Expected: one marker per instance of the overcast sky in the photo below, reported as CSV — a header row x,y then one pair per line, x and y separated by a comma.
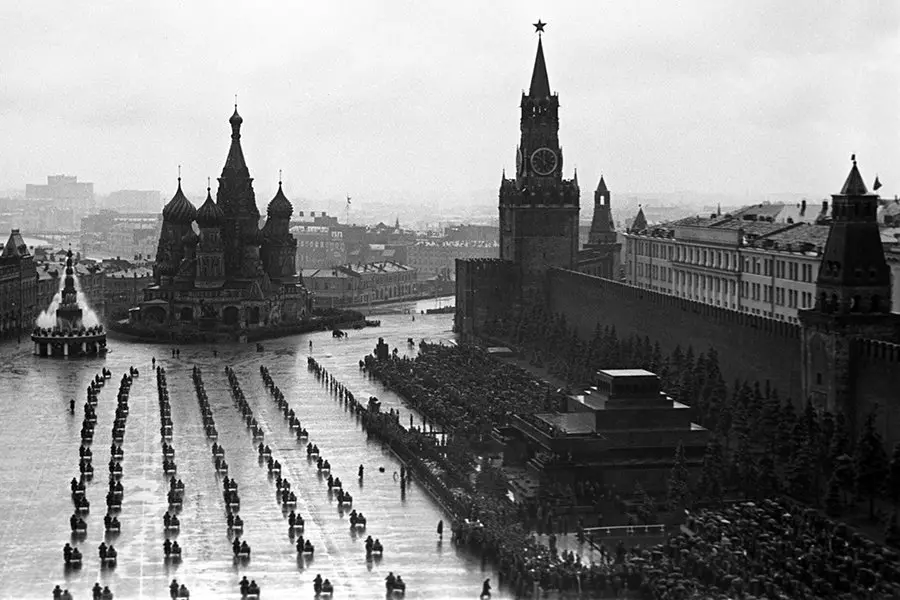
x,y
405,95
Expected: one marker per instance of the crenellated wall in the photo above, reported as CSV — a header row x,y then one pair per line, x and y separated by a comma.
x,y
750,347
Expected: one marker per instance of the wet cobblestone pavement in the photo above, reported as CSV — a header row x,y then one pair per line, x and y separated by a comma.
x,y
41,440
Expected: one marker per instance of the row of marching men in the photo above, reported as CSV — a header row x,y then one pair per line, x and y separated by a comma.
x,y
72,555
230,496
374,547
335,486
209,424
240,548
283,493
338,389
241,401
175,493
288,412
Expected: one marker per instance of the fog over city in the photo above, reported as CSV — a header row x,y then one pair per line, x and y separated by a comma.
x,y
404,101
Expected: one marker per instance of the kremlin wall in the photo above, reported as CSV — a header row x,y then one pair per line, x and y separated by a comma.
x,y
749,346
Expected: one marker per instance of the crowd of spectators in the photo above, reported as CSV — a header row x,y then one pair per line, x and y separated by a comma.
x,y
748,551
463,388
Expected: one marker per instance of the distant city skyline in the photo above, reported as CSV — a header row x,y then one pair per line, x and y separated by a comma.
x,y
413,99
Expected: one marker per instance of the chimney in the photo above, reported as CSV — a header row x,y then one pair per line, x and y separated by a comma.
x,y
803,207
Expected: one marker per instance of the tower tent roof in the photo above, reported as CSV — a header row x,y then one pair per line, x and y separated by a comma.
x,y
235,165
15,246
854,185
540,83
601,187
640,221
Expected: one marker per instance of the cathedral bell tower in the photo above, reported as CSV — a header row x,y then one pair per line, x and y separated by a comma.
x,y
538,208
853,299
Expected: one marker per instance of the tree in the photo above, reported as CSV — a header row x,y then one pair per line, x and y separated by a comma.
x,y
712,473
892,533
767,481
769,422
840,440
825,460
892,485
679,494
785,432
646,507
833,504
744,470
845,474
871,463
799,474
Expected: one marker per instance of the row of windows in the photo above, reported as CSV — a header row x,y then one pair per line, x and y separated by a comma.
x,y
724,259
780,269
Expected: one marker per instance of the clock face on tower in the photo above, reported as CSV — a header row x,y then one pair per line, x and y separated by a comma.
x,y
543,161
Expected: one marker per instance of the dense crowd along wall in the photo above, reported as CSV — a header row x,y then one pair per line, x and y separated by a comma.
x,y
749,347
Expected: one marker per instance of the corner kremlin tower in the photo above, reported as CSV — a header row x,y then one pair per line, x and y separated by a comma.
x,y
227,271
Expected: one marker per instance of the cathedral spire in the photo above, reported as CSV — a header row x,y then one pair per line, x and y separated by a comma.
x,y
235,164
540,83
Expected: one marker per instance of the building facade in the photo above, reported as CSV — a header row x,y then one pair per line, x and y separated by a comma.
x,y
360,284
111,234
764,268
65,190
228,273
124,289
319,246
17,287
437,258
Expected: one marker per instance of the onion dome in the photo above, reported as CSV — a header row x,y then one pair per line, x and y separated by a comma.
x,y
209,214
280,206
190,238
179,209
236,120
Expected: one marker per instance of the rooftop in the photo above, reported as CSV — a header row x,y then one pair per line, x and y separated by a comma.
x,y
628,373
577,423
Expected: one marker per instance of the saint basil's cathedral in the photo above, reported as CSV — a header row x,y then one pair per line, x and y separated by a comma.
x,y
227,270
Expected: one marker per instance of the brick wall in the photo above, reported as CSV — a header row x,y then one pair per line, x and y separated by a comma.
x,y
875,384
749,347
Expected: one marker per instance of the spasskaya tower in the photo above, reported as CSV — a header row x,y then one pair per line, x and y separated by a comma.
x,y
538,208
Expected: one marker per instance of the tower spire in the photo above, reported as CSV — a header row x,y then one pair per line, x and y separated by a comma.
x,y
540,83
235,164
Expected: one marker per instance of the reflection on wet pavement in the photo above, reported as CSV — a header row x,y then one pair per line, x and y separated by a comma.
x,y
41,456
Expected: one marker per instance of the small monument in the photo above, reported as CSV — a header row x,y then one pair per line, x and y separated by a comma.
x,y
64,329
